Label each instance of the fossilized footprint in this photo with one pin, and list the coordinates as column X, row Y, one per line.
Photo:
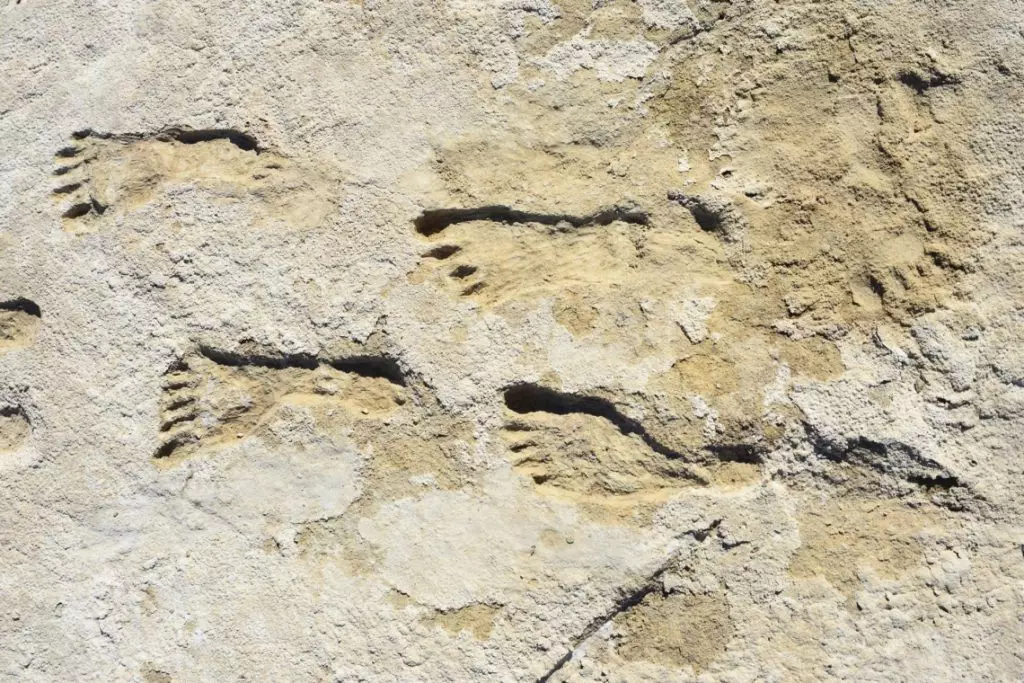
column 19, row 321
column 211, row 398
column 98, row 174
column 585, row 447
column 496, row 253
column 14, row 428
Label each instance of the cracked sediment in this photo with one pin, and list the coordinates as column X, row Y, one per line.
column 572, row 341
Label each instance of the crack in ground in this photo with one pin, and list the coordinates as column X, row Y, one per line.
column 627, row 602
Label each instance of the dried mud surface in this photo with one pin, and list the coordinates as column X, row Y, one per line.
column 633, row 340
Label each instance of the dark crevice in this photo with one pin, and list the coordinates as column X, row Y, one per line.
column 433, row 221
column 67, row 152
column 443, row 251
column 701, row 535
column 474, row 288
column 532, row 398
column 712, row 214
column 708, row 220
column 14, row 411
column 463, row 271
column 22, row 304
column 78, row 210
column 178, row 419
column 891, row 458
column 373, row 366
column 186, row 136
column 179, row 401
column 168, row 447
column 920, row 83
column 67, row 189
column 235, row 359
column 178, row 365
column 737, row 452
column 947, row 261
column 873, row 447
column 519, row 427
column 937, row 481
column 876, row 286
column 242, row 141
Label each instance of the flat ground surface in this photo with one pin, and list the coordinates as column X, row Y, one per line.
column 533, row 340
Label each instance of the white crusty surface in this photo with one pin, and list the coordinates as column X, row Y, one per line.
column 517, row 340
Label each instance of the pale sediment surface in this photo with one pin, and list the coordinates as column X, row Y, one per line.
column 536, row 340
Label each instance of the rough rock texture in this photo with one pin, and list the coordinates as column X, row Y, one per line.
column 519, row 340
